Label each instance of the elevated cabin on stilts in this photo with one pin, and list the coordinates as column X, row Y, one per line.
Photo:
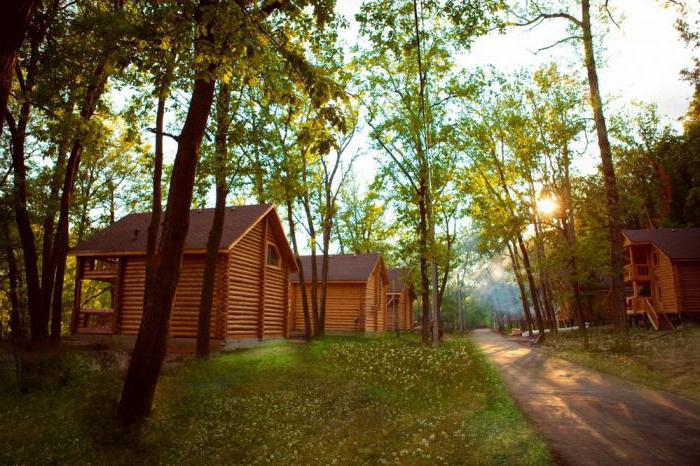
column 251, row 283
column 662, row 274
column 400, row 298
column 356, row 297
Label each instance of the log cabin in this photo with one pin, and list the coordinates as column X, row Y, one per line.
column 251, row 284
column 662, row 274
column 400, row 298
column 356, row 295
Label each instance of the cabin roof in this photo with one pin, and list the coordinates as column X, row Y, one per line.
column 341, row 267
column 678, row 244
column 397, row 279
column 129, row 233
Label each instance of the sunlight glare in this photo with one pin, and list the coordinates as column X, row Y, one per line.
column 547, row 206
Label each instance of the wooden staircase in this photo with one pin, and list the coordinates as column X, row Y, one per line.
column 660, row 321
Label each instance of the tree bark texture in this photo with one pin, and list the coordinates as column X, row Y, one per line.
column 149, row 350
column 214, row 240
column 613, row 202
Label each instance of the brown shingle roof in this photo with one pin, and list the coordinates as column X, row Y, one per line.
column 679, row 244
column 129, row 233
column 397, row 278
column 341, row 268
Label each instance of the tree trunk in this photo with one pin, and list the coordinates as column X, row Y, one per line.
column 318, row 330
column 533, row 287
column 157, row 193
column 149, row 350
column 424, row 280
column 214, row 240
column 302, row 284
column 60, row 242
column 17, row 19
column 38, row 315
column 613, row 205
column 521, row 286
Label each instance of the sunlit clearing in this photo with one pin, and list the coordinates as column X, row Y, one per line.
column 547, row 206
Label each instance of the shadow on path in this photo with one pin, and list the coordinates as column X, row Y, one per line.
column 590, row 418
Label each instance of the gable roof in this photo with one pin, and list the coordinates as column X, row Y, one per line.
column 128, row 235
column 678, row 244
column 341, row 267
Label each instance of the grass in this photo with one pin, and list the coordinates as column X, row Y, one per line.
column 336, row 401
column 662, row 360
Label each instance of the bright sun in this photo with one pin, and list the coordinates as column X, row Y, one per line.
column 547, row 206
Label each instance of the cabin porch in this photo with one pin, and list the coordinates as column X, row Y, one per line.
column 643, row 292
column 97, row 285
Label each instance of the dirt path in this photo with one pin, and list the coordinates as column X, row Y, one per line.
column 592, row 418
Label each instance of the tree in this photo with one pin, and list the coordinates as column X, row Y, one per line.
column 216, row 26
column 18, row 18
column 583, row 32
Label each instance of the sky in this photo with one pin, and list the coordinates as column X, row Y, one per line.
column 642, row 61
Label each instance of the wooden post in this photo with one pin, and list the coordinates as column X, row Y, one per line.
column 77, row 294
column 116, row 296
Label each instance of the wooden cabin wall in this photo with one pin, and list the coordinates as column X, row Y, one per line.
column 183, row 321
column 343, row 307
column 245, row 268
column 404, row 309
column 407, row 307
column 688, row 274
column 275, row 294
column 666, row 281
column 369, row 307
column 393, row 306
column 375, row 302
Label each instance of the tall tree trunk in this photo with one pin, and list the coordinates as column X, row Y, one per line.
column 157, row 190
column 533, row 286
column 149, row 350
column 60, row 242
column 302, row 283
column 17, row 20
column 214, row 240
column 521, row 286
column 613, row 205
column 37, row 306
column 13, row 273
column 569, row 231
column 51, row 210
column 38, row 317
column 424, row 280
column 318, row 330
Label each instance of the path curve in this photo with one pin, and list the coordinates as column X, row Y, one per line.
column 590, row 418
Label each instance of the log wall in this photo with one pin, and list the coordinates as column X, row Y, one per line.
column 666, row 281
column 344, row 303
column 689, row 278
column 375, row 302
column 404, row 310
column 183, row 321
column 275, row 294
column 243, row 306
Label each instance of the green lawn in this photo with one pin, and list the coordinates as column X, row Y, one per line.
column 335, row 401
column 663, row 360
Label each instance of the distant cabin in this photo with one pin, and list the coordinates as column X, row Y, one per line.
column 250, row 295
column 662, row 273
column 356, row 299
column 400, row 298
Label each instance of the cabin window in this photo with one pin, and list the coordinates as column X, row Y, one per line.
column 273, row 256
column 655, row 259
